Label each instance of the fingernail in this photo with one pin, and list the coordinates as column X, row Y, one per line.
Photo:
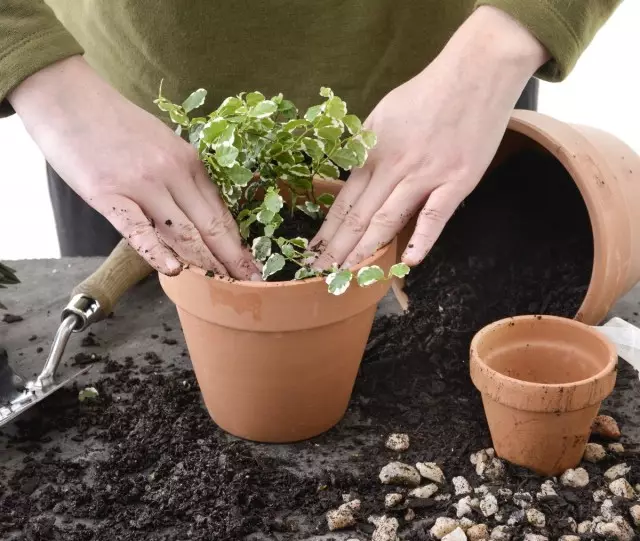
column 173, row 266
column 256, row 278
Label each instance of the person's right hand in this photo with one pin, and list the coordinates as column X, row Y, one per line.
column 130, row 167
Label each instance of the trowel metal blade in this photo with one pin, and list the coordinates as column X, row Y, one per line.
column 28, row 398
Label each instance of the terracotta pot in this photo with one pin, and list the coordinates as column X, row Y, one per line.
column 542, row 379
column 276, row 362
column 607, row 173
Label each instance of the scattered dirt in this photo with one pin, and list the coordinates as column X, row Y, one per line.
column 154, row 466
column 12, row 318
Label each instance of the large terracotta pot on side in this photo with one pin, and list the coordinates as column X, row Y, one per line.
column 542, row 379
column 607, row 173
column 276, row 362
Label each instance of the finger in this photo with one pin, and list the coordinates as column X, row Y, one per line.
column 437, row 211
column 216, row 225
column 179, row 233
column 387, row 222
column 356, row 221
column 127, row 217
column 343, row 203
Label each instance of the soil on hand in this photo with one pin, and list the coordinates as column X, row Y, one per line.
column 154, row 466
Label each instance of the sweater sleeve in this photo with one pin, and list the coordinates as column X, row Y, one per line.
column 564, row 27
column 31, row 38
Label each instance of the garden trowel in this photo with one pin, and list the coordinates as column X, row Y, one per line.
column 90, row 302
column 626, row 338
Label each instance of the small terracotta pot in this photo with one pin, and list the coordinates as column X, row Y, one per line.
column 542, row 379
column 607, row 173
column 277, row 361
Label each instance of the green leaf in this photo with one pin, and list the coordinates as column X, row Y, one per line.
column 178, row 117
column 245, row 226
column 289, row 251
column 344, row 158
column 300, row 242
column 212, row 130
column 230, row 106
column 240, row 175
column 314, row 148
column 330, row 133
column 370, row 275
column 353, row 124
column 313, row 112
column 399, row 270
column 178, row 130
column 263, row 109
column 305, row 272
column 194, row 133
column 369, row 139
column 195, row 100
column 88, row 393
column 326, row 199
column 271, row 228
column 299, row 170
column 265, row 216
column 311, row 206
column 287, row 109
column 295, row 123
column 326, row 92
column 226, row 155
column 338, row 282
column 328, row 170
column 228, row 136
column 261, row 248
column 273, row 201
column 274, row 264
column 286, row 158
column 336, row 108
column 165, row 105
column 254, row 98
column 359, row 150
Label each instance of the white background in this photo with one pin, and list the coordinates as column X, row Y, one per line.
column 603, row 91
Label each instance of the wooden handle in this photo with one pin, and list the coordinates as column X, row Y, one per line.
column 120, row 271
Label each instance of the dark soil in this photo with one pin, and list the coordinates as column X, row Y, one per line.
column 12, row 318
column 167, row 473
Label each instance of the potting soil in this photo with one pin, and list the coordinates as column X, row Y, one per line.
column 143, row 461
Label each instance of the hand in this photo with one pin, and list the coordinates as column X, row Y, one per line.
column 132, row 169
column 437, row 134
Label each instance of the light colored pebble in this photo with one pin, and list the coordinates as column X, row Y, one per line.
column 424, row 492
column 443, row 526
column 577, row 478
column 442, row 497
column 606, row 426
column 499, row 517
column 607, row 511
column 466, row 505
column 430, row 471
column 409, row 515
column 461, row 486
column 397, row 442
column 535, row 537
column 569, row 538
column 546, row 490
column 599, row 495
column 572, row 524
column 517, row 517
column 481, row 490
column 466, row 523
column 505, row 493
column 393, row 499
column 386, row 529
column 343, row 517
column 622, row 488
column 398, row 473
column 585, row 527
column 501, row 533
column 617, row 529
column 616, row 448
column 635, row 514
column 489, row 505
column 493, row 470
column 614, row 472
column 479, row 532
column 523, row 499
column 456, row 535
column 536, row 518
column 594, row 452
column 482, row 456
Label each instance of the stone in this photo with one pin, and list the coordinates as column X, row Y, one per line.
column 481, row 490
column 479, row 532
column 397, row 442
column 398, row 473
column 523, row 499
column 501, row 533
column 616, row 448
column 517, row 517
column 494, row 469
column 386, row 529
column 569, row 538
column 466, row 505
column 607, row 511
column 456, row 535
column 424, row 492
column 535, row 537
column 599, row 495
column 606, row 427
column 343, row 517
column 482, row 456
column 572, row 524
column 466, row 523
column 393, row 499
column 546, row 490
column 409, row 515
column 430, row 471
column 442, row 497
column 614, row 472
column 536, row 518
column 635, row 514
column 577, row 478
column 617, row 529
column 585, row 527
column 505, row 493
column 461, row 486
column 499, row 517
column 489, row 505
column 622, row 488
column 594, row 452
column 443, row 526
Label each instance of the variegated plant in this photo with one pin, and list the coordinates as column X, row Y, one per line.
column 251, row 144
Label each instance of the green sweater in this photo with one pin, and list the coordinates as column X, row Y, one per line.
column 360, row 48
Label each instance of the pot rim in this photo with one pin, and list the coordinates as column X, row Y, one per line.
column 492, row 327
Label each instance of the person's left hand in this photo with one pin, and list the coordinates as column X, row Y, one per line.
column 437, row 134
